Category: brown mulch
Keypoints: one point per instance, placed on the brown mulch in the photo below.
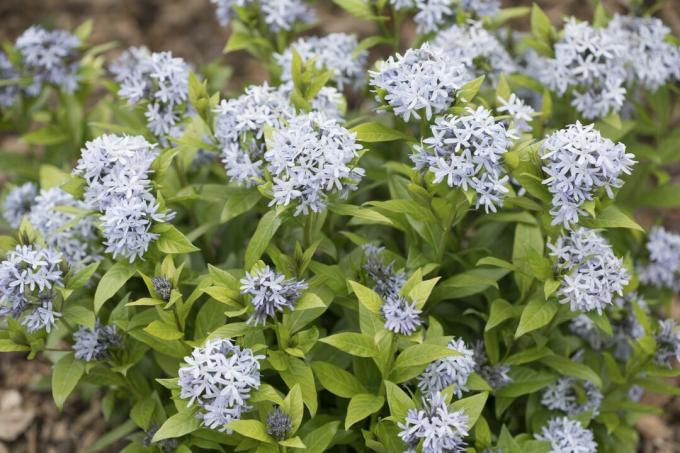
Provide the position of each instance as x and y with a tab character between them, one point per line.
29	420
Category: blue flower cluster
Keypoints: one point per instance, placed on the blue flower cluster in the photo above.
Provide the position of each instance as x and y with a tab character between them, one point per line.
277	14
467	151
116	170
29	278
592	274
160	80
454	370
564	396
567	436
663	265
422	80
219	377
579	162
94	344
270	292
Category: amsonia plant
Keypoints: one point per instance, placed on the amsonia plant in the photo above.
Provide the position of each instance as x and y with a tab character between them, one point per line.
419	244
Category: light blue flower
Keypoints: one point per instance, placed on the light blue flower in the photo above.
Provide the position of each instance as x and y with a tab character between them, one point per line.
567	436
19	202
453	370
270	292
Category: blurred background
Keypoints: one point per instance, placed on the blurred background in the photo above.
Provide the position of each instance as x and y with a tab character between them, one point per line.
29	421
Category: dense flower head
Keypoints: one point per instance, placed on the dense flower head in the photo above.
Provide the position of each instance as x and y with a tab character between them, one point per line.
579	162
279	424
278	14
668	343
270	292
496	375
466	151
401	315
482	8
9	91
334	52
116	170
436	427
422	80
453	370
73	234
567	436
649	59
239	130
475	47
159	79
49	57
29	277
310	158
663	264
589	61
18	203
95	344
520	115
387	281
591	273
563	396
162	286
219	377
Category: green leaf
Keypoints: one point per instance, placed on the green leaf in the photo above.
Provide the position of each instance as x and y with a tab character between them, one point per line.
358	8
294	407
48	135
612	217
7	345
298	372
182	423
525	381
527	245
319	440
80	278
421	291
51	176
352	343
253	429
79	315
336	380
111	282
266	228
501	310
398	400
472	407
367	297
541	27
422	354
376	133
65	377
172	241
568	367
293	442
163	330
537	313
361	406
471	88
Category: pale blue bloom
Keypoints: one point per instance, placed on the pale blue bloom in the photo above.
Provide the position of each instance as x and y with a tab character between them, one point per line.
9	91
481	8
466	151
401	315
278	14
219	377
18	203
159	79
454	370
333	52
436	427
668	343
309	159
475	47
520	114
239	130
591	273
663	264
432	14
28	278
270	292
49	57
590	61
497	375
579	162
562	395
116	170
387	281
423	80
567	436
94	344
650	60
72	233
